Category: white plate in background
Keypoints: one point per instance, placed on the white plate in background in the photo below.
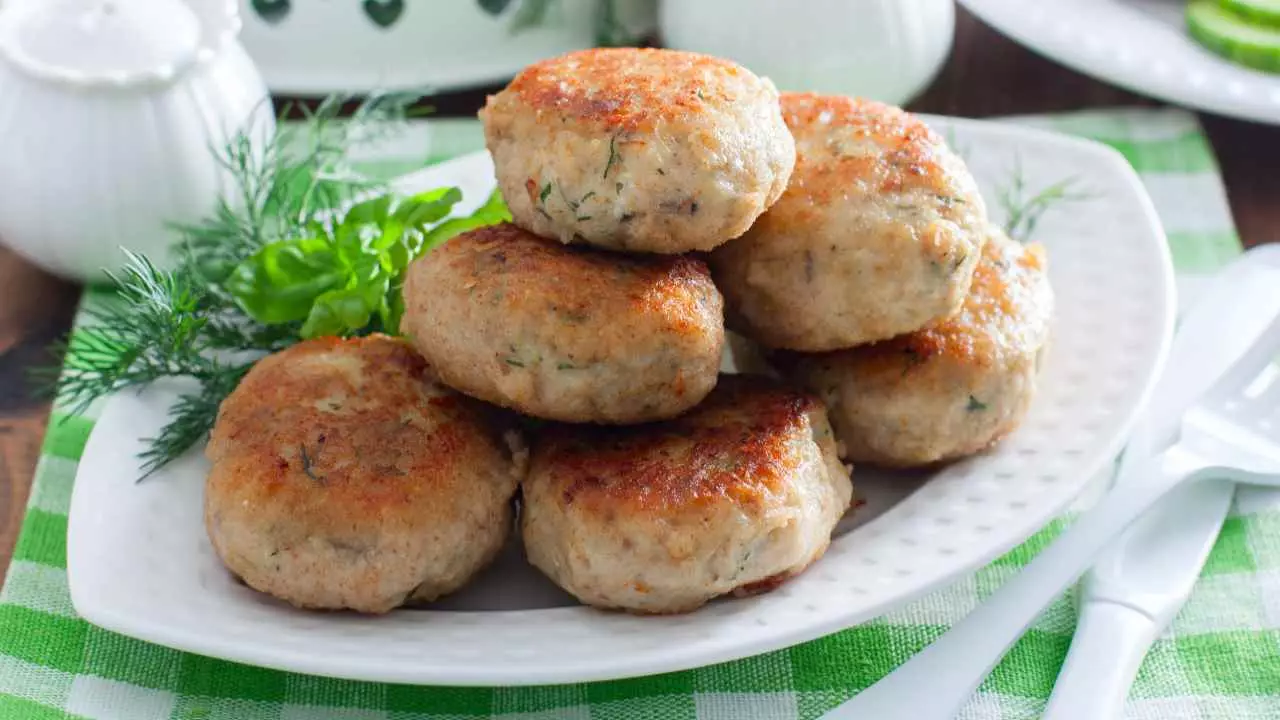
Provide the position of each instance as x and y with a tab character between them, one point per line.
1140	45
139	562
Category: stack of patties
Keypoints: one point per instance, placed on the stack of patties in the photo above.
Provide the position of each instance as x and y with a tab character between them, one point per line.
660	484
919	323
850	244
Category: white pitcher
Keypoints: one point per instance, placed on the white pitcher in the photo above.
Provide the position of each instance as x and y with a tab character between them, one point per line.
887	50
110	111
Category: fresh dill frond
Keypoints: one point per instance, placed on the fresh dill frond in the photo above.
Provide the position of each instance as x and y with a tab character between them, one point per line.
1024	209
191	418
157	327
235	333
152	329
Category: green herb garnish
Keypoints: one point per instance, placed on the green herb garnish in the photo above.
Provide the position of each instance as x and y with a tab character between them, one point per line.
976	405
1024	210
307	247
613	156
160	325
336	277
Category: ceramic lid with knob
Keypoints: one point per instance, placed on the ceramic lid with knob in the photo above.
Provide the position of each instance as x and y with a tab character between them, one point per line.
106	42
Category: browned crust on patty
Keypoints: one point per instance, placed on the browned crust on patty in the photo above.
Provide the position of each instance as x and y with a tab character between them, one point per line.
532	274
989	326
734	446
345	433
631	89
827	169
876	234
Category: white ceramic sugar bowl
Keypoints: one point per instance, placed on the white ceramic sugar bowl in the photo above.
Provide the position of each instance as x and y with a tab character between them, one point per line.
109	114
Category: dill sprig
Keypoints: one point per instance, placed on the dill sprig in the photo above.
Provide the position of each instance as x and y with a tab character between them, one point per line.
190	419
280	185
153	328
1023	209
157	326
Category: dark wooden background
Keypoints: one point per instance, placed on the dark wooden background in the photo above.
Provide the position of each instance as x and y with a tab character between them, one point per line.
986	75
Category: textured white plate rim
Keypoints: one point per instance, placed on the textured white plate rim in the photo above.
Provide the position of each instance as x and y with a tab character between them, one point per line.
1116	42
91	505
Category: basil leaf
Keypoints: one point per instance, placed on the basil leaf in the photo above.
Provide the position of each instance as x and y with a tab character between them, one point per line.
354	243
279	283
398	256
368	270
493	211
392	230
340	312
412	212
374	210
392	311
338	279
428	207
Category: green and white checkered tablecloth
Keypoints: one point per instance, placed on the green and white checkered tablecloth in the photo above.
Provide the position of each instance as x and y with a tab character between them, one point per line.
1220	659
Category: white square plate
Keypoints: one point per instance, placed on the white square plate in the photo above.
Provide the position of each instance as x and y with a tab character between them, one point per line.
139	561
1142	45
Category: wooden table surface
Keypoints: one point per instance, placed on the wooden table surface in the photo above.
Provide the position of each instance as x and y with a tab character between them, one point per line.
986	75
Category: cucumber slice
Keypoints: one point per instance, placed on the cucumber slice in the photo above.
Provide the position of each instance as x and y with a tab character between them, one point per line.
1232	37
1265	12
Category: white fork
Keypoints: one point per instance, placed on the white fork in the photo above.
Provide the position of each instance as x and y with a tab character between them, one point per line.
1232	433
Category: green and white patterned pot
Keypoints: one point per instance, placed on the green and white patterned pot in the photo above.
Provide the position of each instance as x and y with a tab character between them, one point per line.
314	47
